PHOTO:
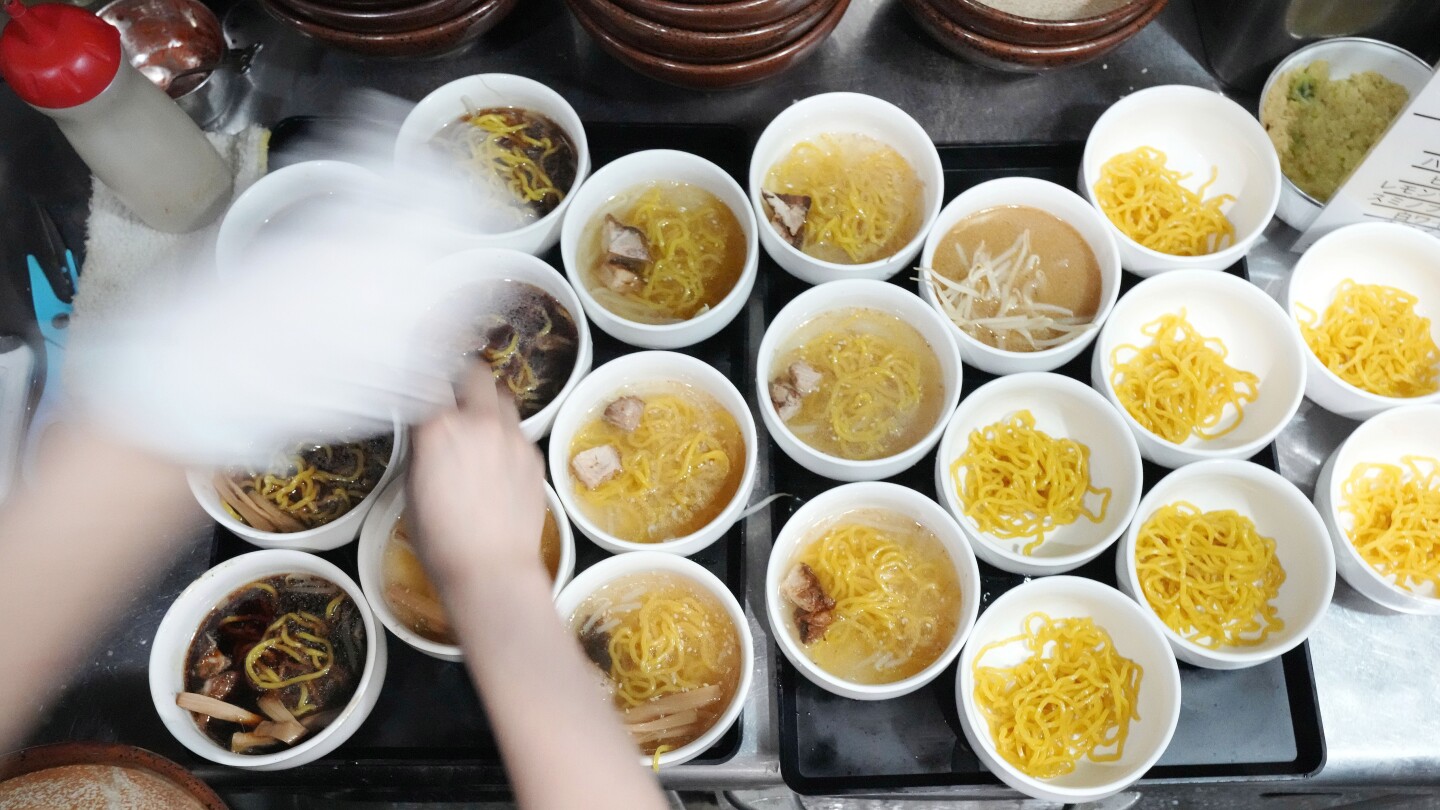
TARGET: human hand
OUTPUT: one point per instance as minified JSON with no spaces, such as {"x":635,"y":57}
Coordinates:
{"x":476,"y":487}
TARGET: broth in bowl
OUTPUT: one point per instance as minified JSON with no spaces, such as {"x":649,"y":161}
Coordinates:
{"x":530,"y":341}
{"x":306,"y":488}
{"x":521,"y":163}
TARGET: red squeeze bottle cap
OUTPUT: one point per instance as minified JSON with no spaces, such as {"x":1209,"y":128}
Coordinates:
{"x":57,"y":56}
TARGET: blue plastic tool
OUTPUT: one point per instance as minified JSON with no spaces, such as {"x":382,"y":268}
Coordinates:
{"x":52,"y":314}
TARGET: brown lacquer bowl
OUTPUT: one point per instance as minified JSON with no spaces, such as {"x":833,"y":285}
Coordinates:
{"x":996,"y":24}
{"x":732,"y":15}
{"x":1007,"y":56}
{"x":433,"y":40}
{"x":380,"y":19}
{"x":703,"y":47}
{"x":44,"y":757}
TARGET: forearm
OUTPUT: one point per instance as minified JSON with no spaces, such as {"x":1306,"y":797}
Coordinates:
{"x":562,"y":742}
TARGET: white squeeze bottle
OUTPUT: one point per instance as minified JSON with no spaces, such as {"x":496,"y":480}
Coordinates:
{"x":68,"y":64}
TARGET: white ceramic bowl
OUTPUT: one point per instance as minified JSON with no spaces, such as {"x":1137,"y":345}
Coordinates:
{"x":469,"y":267}
{"x":856,"y":293}
{"x":1062,"y":203}
{"x":279,"y":194}
{"x":1063,"y":408}
{"x":606,"y":571}
{"x":178,"y":627}
{"x":1137,"y":637}
{"x":1369,"y":253}
{"x":1410,"y":430}
{"x":1281,"y":513}
{"x":1257,"y":334}
{"x":1197,"y":129}
{"x":800,"y":530}
{"x":447,"y":103}
{"x":841,"y":113}
{"x":370,"y":559}
{"x":640,"y":373}
{"x":330,"y":536}
{"x":638,"y":169}
{"x":1347,"y":56}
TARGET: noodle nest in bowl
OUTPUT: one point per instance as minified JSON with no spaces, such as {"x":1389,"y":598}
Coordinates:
{"x":1146,"y":201}
{"x":1371,"y":337}
{"x":1394,"y":512}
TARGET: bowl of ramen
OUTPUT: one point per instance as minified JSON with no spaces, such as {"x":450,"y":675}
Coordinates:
{"x":269,"y":660}
{"x":661,"y":248}
{"x":401,"y":592}
{"x":856,"y":378}
{"x":844,"y":186}
{"x":654,"y":451}
{"x":1201,"y":365}
{"x":1379,"y":495}
{"x":1344,"y":288}
{"x":310,"y":497}
{"x":529,"y":327}
{"x":1186,"y":178}
{"x":871,"y":590}
{"x":678,"y":692}
{"x":1232,"y":559}
{"x":1026,"y":270}
{"x":511,"y":150}
{"x":1081,"y":644}
{"x":1040,"y":471}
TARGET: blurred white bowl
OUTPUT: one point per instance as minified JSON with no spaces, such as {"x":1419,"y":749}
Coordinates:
{"x":844,"y":113}
{"x":1197,"y":129}
{"x":1257,"y":334}
{"x":280,"y":194}
{"x":1136,"y":635}
{"x":370,"y":562}
{"x":799,"y":531}
{"x":327,"y":537}
{"x":1279,"y":512}
{"x":852,"y":294}
{"x":447,"y":103}
{"x":638,"y":169}
{"x":1064,"y":408}
{"x":1410,"y":430}
{"x":497,"y":264}
{"x":1053,"y":199}
{"x":1369,"y":253}
{"x":172,"y":645}
{"x":640,"y":373}
{"x":1347,"y":56}
{"x":606,"y":571}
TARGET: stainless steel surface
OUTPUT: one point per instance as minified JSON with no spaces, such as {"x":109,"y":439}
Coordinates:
{"x":1375,"y":670}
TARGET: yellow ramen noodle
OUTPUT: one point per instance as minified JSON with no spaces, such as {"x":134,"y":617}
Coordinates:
{"x":866,"y":201}
{"x":679,"y":468}
{"x":897,"y":596}
{"x":1073,"y":697}
{"x":1394,"y":512}
{"x":1145,"y":199}
{"x":1019,"y":482}
{"x":1209,"y":576}
{"x":1180,"y":385}
{"x":1371,"y":337}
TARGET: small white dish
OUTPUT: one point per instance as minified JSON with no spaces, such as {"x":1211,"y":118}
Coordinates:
{"x":1410,"y":430}
{"x":1369,"y":253}
{"x":1279,"y":512}
{"x":638,"y":169}
{"x":799,"y":530}
{"x":606,"y":571}
{"x":1136,"y":635}
{"x":1063,"y":204}
{"x":447,"y":103}
{"x":1255,"y":330}
{"x":181,"y":622}
{"x":480,"y":265}
{"x":1198,"y":130}
{"x":370,"y":562}
{"x":844,"y":113}
{"x":856,"y":294}
{"x":1063,"y":408}
{"x":640,"y":372}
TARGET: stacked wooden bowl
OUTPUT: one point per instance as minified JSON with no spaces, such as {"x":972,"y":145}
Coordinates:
{"x":986,"y":35}
{"x":709,"y":43}
{"x":395,"y":28}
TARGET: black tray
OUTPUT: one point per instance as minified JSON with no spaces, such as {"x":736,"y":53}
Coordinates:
{"x":428,"y":733}
{"x":1262,"y":722}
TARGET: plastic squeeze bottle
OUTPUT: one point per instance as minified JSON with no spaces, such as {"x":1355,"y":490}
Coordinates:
{"x":68,"y":64}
